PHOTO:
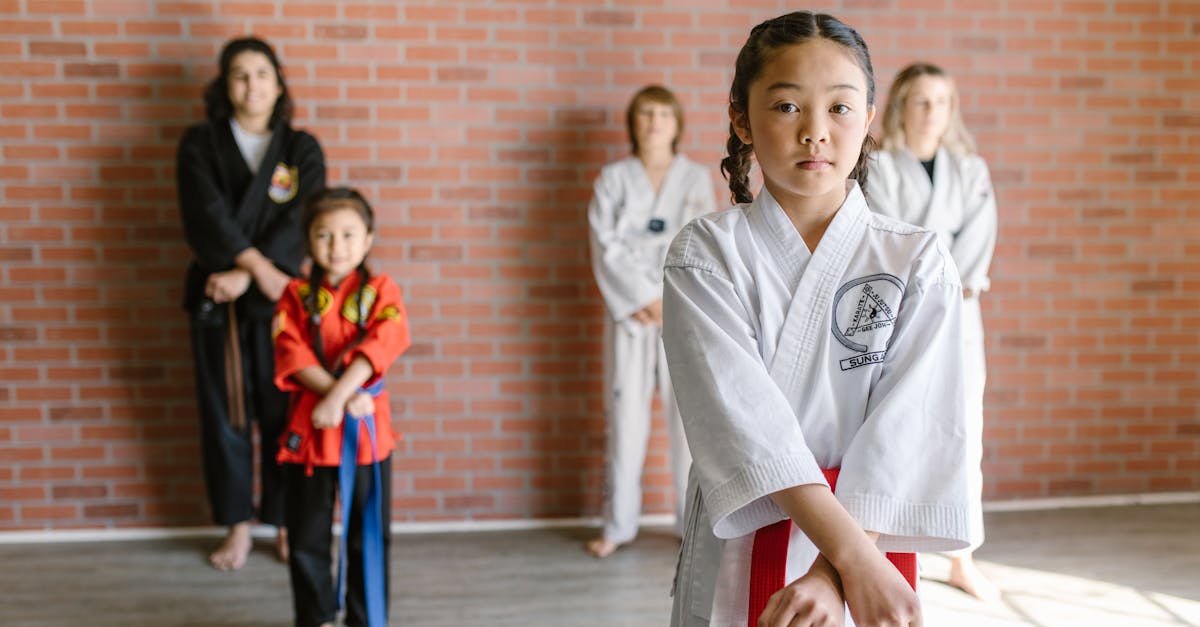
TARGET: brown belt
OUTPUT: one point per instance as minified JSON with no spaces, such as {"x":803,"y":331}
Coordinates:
{"x":234,"y":381}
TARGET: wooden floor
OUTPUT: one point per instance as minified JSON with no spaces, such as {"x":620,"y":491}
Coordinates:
{"x":1095,"y":567}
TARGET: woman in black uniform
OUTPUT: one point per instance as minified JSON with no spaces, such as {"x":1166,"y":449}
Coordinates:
{"x":241,"y":176}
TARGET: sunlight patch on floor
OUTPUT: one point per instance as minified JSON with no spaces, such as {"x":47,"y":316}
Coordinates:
{"x":1046,"y":599}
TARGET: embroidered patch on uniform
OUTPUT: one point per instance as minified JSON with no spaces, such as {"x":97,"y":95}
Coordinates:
{"x":864,"y":313}
{"x":278,"y":324}
{"x":351,"y":308}
{"x":293,"y":441}
{"x":324,"y":298}
{"x":390,"y":312}
{"x":285,"y":182}
{"x":657,"y":225}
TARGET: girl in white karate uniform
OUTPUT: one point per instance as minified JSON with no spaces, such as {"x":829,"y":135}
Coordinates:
{"x":803,"y":333}
{"x":639,"y":203}
{"x":929,"y":174}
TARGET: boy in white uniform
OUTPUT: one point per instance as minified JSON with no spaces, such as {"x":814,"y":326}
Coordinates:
{"x":803,"y":333}
{"x":639,"y":204}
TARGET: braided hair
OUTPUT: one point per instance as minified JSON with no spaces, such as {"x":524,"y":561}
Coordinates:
{"x":764,"y":40}
{"x":320,"y":202}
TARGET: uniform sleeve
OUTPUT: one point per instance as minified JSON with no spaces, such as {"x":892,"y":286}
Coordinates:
{"x":208,"y":225}
{"x":975,"y":242}
{"x":387,"y":333}
{"x":281,"y":241}
{"x":622,"y":280}
{"x":289,"y":332}
{"x":744,"y":437}
{"x":904,"y":473}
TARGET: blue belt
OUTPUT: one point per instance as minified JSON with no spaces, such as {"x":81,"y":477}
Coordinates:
{"x":372,"y":518}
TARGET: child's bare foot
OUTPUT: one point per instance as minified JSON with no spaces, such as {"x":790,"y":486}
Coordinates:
{"x":281,"y":545}
{"x":600,"y":548}
{"x":965,"y":576}
{"x":231,"y":555}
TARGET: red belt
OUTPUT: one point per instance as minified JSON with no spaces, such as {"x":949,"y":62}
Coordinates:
{"x":768,"y":562}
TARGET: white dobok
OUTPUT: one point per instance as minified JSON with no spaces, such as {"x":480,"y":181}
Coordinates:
{"x":786,"y":362}
{"x":631,"y":227}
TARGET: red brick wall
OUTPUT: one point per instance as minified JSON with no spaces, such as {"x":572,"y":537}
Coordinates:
{"x":477,"y":127}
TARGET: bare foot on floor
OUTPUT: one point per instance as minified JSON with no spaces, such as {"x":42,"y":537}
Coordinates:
{"x":600,"y":548}
{"x":281,"y":545}
{"x":231,"y":555}
{"x":965,"y":576}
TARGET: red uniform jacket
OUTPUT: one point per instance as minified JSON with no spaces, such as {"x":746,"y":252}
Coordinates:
{"x":386,"y":338}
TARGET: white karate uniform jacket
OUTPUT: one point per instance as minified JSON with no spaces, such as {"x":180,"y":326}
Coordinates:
{"x":627,"y":255}
{"x":786,"y":362}
{"x":960,"y":206}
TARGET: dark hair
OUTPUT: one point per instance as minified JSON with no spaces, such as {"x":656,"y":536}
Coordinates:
{"x":316,"y":204}
{"x":328,"y":199}
{"x":217,"y":106}
{"x":656,"y":94}
{"x":765,"y":39}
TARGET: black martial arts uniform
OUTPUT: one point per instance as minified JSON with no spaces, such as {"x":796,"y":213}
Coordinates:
{"x":226,"y":209}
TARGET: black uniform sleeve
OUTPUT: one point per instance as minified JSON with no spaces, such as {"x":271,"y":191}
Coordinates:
{"x":281,"y":241}
{"x":208,"y":223}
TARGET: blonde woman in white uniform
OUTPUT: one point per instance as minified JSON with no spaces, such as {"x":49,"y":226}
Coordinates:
{"x":639,"y":203}
{"x":929,"y":174}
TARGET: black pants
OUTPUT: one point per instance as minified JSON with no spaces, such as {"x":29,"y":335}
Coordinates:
{"x":229,"y":453}
{"x":310,"y":503}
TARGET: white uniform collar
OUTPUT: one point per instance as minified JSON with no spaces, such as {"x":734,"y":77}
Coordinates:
{"x":785,"y":244}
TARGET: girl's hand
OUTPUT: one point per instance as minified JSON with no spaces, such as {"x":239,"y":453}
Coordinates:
{"x":228,"y":286}
{"x":877,"y":593}
{"x":814,"y":600}
{"x":360,"y":405}
{"x":328,"y":413}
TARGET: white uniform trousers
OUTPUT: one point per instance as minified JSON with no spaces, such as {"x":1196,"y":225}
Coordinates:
{"x":975,"y":379}
{"x":636,"y":364}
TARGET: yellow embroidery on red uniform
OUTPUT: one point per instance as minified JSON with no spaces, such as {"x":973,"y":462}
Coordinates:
{"x":278,"y":324}
{"x":391,"y":312}
{"x":350,"y":308}
{"x":324,"y":298}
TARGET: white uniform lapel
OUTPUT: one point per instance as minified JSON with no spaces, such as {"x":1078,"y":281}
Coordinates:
{"x":640,"y":200}
{"x":944,"y":211}
{"x":917,"y":190}
{"x":667,"y":205}
{"x":808,"y":314}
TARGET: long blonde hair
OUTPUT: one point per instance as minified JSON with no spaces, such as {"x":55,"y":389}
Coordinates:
{"x":957,"y":139}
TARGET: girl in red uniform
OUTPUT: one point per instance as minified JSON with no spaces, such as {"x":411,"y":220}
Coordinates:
{"x":335,"y":335}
